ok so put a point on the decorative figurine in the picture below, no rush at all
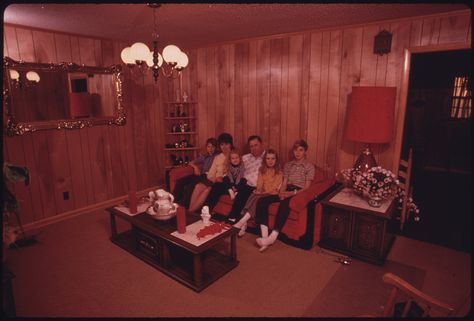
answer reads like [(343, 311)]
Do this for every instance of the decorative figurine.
[(205, 216)]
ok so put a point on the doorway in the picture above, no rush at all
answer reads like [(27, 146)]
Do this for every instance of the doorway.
[(438, 129)]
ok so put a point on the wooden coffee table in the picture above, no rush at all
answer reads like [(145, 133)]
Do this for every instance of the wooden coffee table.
[(151, 241)]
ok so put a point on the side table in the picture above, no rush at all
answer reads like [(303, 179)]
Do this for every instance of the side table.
[(352, 227)]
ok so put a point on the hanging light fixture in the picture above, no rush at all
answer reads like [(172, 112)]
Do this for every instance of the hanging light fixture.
[(139, 54)]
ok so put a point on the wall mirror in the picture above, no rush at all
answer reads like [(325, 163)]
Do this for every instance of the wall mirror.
[(40, 96)]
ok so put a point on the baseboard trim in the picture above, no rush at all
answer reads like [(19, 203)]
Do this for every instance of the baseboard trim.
[(83, 210)]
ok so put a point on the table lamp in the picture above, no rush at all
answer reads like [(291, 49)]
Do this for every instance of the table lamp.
[(370, 117)]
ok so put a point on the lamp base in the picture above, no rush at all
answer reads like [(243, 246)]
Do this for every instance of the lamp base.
[(365, 160)]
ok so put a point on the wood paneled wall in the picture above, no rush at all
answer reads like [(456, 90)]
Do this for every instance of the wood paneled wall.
[(296, 86), (92, 164), (282, 88)]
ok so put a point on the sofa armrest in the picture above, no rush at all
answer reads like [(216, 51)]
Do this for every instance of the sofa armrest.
[(301, 200), (177, 173)]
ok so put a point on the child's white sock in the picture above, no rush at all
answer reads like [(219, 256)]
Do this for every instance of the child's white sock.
[(265, 241), (264, 230), (242, 230), (243, 220)]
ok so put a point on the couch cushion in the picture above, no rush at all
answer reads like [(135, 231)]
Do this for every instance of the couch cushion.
[(302, 199), (320, 175), (179, 172), (226, 199)]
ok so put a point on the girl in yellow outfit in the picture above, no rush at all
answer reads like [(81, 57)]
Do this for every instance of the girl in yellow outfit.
[(268, 182)]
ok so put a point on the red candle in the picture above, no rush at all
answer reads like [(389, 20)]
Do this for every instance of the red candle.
[(181, 219), (132, 202)]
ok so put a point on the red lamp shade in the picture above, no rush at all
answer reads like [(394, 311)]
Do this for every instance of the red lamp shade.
[(370, 114)]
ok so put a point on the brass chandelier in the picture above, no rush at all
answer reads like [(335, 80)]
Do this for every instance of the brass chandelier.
[(139, 54)]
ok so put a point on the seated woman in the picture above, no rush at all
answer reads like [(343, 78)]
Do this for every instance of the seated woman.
[(201, 165), (297, 176), (269, 181), (215, 174), (232, 182)]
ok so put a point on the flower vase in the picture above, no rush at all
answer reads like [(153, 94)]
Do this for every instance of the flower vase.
[(375, 201)]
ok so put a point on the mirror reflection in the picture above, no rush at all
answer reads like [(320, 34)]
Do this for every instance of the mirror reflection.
[(66, 95), (63, 95)]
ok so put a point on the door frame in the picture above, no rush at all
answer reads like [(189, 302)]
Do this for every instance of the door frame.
[(403, 96)]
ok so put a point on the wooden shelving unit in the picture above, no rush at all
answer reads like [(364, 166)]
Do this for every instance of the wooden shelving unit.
[(181, 133)]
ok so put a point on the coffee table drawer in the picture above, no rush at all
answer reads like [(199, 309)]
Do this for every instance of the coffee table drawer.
[(148, 245)]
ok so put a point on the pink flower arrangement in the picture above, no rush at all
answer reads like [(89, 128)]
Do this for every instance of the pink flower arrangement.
[(377, 182)]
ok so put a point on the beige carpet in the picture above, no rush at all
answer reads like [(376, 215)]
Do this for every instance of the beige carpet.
[(346, 293), (75, 271)]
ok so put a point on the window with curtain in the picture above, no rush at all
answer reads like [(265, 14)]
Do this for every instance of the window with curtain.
[(461, 98)]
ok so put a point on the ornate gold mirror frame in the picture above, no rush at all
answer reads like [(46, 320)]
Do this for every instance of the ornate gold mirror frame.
[(12, 127)]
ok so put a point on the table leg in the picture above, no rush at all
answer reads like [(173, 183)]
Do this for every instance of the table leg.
[(113, 225), (197, 270), (164, 253), (233, 247)]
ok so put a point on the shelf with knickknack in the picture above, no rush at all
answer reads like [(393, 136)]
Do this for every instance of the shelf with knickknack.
[(181, 133)]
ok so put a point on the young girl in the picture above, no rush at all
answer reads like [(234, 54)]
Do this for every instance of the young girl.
[(297, 176), (268, 183), (235, 176), (201, 165), (231, 183)]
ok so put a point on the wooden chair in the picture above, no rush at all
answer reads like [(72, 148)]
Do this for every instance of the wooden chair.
[(404, 175), (414, 302)]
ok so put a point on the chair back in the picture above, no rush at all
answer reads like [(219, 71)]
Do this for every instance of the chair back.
[(413, 302), (404, 176)]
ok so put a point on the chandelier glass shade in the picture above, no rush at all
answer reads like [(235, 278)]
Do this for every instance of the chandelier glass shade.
[(139, 54)]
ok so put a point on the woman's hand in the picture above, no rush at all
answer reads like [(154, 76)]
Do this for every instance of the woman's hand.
[(219, 179)]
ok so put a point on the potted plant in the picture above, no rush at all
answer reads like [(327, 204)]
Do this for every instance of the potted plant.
[(14, 174)]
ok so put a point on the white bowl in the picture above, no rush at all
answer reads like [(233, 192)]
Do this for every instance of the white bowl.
[(159, 217), (163, 217)]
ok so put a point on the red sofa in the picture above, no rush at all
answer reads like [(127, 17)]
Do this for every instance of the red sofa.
[(303, 227)]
